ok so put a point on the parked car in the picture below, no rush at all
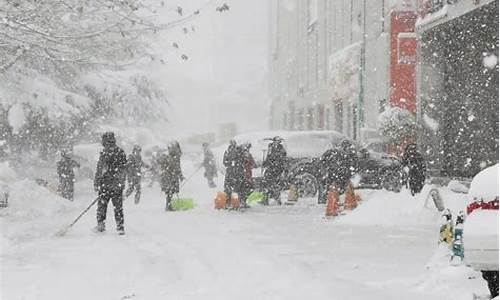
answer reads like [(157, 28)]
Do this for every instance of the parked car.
[(480, 235), (377, 169)]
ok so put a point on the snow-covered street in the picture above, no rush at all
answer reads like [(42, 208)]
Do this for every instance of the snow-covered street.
[(382, 250), (280, 149)]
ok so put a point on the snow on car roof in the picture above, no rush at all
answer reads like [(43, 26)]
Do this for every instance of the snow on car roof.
[(309, 143), (485, 184)]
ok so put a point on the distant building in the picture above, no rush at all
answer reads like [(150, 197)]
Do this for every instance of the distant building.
[(336, 64), (457, 84)]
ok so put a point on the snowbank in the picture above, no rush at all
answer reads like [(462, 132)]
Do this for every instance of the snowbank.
[(452, 282), (7, 174), (485, 184), (33, 212), (384, 208)]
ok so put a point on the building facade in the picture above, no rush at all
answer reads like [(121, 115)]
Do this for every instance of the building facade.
[(457, 84), (336, 64)]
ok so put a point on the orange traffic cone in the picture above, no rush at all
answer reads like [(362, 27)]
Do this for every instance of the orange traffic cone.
[(235, 201), (293, 193), (350, 198), (358, 198), (332, 203), (220, 200)]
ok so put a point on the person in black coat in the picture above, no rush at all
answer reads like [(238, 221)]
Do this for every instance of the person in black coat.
[(274, 164), (109, 181), (209, 165), (414, 161), (239, 174), (248, 164), (134, 173), (66, 174), (175, 150), (350, 157), (335, 171), (230, 161), (170, 176)]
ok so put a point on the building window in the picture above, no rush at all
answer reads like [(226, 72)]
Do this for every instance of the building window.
[(354, 122), (381, 105), (328, 119), (285, 121), (321, 117), (300, 120), (407, 48), (310, 119)]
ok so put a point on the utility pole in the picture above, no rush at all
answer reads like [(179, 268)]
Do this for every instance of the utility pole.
[(361, 108)]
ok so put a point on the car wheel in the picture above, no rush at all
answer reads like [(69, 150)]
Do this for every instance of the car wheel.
[(391, 181), (306, 184)]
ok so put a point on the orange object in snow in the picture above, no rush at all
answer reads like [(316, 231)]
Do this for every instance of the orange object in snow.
[(235, 201), (332, 203), (220, 200), (350, 198), (358, 198)]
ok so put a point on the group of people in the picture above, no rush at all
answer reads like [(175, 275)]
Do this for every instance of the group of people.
[(338, 165), (238, 163), (114, 170)]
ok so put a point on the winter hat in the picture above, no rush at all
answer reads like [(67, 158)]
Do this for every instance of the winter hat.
[(108, 139)]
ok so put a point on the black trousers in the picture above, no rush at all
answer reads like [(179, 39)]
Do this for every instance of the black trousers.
[(134, 184), (116, 197), (67, 188), (272, 184), (168, 199)]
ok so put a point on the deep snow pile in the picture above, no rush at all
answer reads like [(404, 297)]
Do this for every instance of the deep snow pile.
[(456, 282), (389, 209), (33, 212), (485, 184)]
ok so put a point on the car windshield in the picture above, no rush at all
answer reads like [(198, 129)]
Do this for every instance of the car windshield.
[(297, 144), (311, 144)]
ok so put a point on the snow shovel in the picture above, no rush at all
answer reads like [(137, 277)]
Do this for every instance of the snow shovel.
[(182, 203), (191, 176), (63, 231)]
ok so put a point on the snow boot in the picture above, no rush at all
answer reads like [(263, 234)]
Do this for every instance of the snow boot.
[(101, 227), (120, 230)]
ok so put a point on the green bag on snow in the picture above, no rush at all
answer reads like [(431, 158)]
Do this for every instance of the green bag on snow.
[(182, 204), (255, 197)]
